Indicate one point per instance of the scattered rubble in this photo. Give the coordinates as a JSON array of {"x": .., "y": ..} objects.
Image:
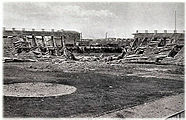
[
  {"x": 147, "y": 48},
  {"x": 68, "y": 54}
]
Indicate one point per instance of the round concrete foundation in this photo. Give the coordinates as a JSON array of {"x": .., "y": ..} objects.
[{"x": 37, "y": 89}]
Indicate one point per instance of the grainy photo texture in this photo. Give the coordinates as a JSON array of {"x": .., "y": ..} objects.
[{"x": 93, "y": 59}]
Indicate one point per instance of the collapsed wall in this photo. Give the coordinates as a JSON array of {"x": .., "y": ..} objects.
[
  {"x": 177, "y": 59},
  {"x": 156, "y": 47},
  {"x": 26, "y": 44},
  {"x": 8, "y": 46}
]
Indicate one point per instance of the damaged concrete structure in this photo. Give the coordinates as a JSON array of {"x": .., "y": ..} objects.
[
  {"x": 45, "y": 40},
  {"x": 156, "y": 46},
  {"x": 152, "y": 47}
]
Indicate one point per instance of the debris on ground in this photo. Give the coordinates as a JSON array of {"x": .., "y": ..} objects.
[
  {"x": 141, "y": 51},
  {"x": 68, "y": 54}
]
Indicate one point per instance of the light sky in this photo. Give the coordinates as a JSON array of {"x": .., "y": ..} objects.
[{"x": 94, "y": 19}]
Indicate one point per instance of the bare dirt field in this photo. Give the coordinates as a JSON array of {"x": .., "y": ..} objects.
[
  {"x": 101, "y": 87},
  {"x": 161, "y": 108}
]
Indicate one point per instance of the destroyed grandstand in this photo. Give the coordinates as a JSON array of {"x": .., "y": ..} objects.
[
  {"x": 156, "y": 47},
  {"x": 160, "y": 48}
]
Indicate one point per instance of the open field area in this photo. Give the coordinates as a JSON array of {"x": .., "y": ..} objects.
[
  {"x": 101, "y": 87},
  {"x": 93, "y": 60}
]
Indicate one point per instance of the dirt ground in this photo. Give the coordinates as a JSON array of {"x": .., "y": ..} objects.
[
  {"x": 161, "y": 108},
  {"x": 102, "y": 87}
]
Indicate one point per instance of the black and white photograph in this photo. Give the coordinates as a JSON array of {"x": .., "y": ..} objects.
[{"x": 93, "y": 59}]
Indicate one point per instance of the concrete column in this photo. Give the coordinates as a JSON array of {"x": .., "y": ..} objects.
[
  {"x": 155, "y": 31},
  {"x": 34, "y": 44},
  {"x": 175, "y": 31},
  {"x": 33, "y": 29},
  {"x": 52, "y": 30},
  {"x": 146, "y": 31},
  {"x": 165, "y": 31},
  {"x": 54, "y": 45},
  {"x": 53, "y": 41},
  {"x": 62, "y": 41},
  {"x": 43, "y": 41},
  {"x": 23, "y": 29}
]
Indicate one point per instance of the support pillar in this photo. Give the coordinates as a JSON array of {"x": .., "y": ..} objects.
[
  {"x": 54, "y": 45},
  {"x": 43, "y": 41},
  {"x": 62, "y": 41},
  {"x": 34, "y": 44},
  {"x": 53, "y": 41}
]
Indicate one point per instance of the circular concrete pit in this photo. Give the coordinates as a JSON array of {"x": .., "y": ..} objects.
[{"x": 37, "y": 89}]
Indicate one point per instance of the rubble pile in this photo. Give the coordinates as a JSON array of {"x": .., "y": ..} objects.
[
  {"x": 145, "y": 48},
  {"x": 26, "y": 55},
  {"x": 177, "y": 59},
  {"x": 68, "y": 55},
  {"x": 8, "y": 46},
  {"x": 162, "y": 48}
]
